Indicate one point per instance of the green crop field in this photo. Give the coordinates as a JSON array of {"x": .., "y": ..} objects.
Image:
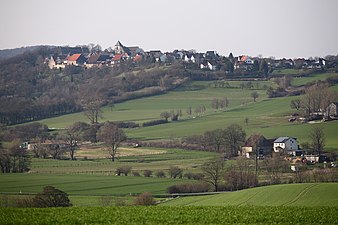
[
  {"x": 171, "y": 215},
  {"x": 171, "y": 157},
  {"x": 318, "y": 194},
  {"x": 80, "y": 184}
]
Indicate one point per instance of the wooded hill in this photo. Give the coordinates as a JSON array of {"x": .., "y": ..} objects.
[{"x": 29, "y": 90}]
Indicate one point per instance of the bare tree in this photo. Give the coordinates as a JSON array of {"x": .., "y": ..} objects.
[
  {"x": 213, "y": 171},
  {"x": 317, "y": 138},
  {"x": 234, "y": 137},
  {"x": 92, "y": 109},
  {"x": 71, "y": 137},
  {"x": 254, "y": 95},
  {"x": 215, "y": 104},
  {"x": 112, "y": 136},
  {"x": 189, "y": 111}
]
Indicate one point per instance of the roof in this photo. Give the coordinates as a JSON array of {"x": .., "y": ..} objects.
[
  {"x": 137, "y": 58},
  {"x": 74, "y": 57},
  {"x": 282, "y": 139},
  {"x": 93, "y": 58},
  {"x": 117, "y": 57},
  {"x": 259, "y": 139}
]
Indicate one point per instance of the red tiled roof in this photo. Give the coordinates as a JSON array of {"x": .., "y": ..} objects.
[
  {"x": 74, "y": 57},
  {"x": 244, "y": 57},
  {"x": 137, "y": 58},
  {"x": 117, "y": 57}
]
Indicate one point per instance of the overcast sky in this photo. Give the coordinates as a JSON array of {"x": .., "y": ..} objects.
[{"x": 280, "y": 28}]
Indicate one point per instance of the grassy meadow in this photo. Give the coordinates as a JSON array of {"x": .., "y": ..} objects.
[
  {"x": 314, "y": 195},
  {"x": 266, "y": 116}
]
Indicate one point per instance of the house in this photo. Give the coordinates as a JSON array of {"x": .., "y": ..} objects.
[
  {"x": 135, "y": 50},
  {"x": 97, "y": 60},
  {"x": 208, "y": 65},
  {"x": 263, "y": 146},
  {"x": 246, "y": 59},
  {"x": 118, "y": 58},
  {"x": 76, "y": 59},
  {"x": 332, "y": 110},
  {"x": 137, "y": 58},
  {"x": 190, "y": 58},
  {"x": 55, "y": 63},
  {"x": 286, "y": 144},
  {"x": 119, "y": 48}
]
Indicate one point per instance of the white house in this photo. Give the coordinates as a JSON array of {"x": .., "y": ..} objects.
[
  {"x": 208, "y": 65},
  {"x": 286, "y": 144},
  {"x": 190, "y": 58}
]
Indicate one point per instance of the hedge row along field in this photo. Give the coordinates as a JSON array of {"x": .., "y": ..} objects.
[{"x": 171, "y": 215}]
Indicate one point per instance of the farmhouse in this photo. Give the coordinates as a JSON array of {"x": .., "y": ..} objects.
[
  {"x": 288, "y": 145},
  {"x": 76, "y": 59},
  {"x": 256, "y": 142}
]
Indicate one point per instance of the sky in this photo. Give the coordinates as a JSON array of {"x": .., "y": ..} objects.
[{"x": 278, "y": 28}]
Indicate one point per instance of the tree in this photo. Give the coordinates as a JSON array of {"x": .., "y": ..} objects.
[
  {"x": 295, "y": 104},
  {"x": 254, "y": 95},
  {"x": 71, "y": 137},
  {"x": 14, "y": 158},
  {"x": 51, "y": 197},
  {"x": 92, "y": 109},
  {"x": 112, "y": 136},
  {"x": 234, "y": 137},
  {"x": 317, "y": 138},
  {"x": 255, "y": 65},
  {"x": 165, "y": 115},
  {"x": 264, "y": 68},
  {"x": 189, "y": 111},
  {"x": 215, "y": 139},
  {"x": 175, "y": 171},
  {"x": 317, "y": 97},
  {"x": 224, "y": 103},
  {"x": 213, "y": 171},
  {"x": 215, "y": 104},
  {"x": 239, "y": 176}
]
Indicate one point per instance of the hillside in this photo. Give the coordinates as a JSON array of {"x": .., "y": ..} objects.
[
  {"x": 319, "y": 194},
  {"x": 268, "y": 116}
]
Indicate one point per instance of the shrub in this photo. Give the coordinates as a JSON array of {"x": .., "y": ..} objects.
[
  {"x": 194, "y": 176},
  {"x": 51, "y": 197},
  {"x": 123, "y": 170},
  {"x": 147, "y": 173},
  {"x": 153, "y": 123},
  {"x": 188, "y": 188},
  {"x": 136, "y": 174},
  {"x": 175, "y": 172},
  {"x": 145, "y": 199},
  {"x": 160, "y": 174}
]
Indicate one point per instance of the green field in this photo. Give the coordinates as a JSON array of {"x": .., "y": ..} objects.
[
  {"x": 171, "y": 157},
  {"x": 318, "y": 194},
  {"x": 171, "y": 215},
  {"x": 266, "y": 116}
]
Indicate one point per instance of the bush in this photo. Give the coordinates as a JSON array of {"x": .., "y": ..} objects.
[
  {"x": 153, "y": 123},
  {"x": 145, "y": 199},
  {"x": 160, "y": 174},
  {"x": 188, "y": 188},
  {"x": 147, "y": 173},
  {"x": 136, "y": 174},
  {"x": 51, "y": 197},
  {"x": 194, "y": 176},
  {"x": 123, "y": 170}
]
